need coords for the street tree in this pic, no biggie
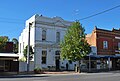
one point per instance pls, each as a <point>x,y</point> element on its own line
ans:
<point>74,46</point>
<point>15,45</point>
<point>3,40</point>
<point>25,52</point>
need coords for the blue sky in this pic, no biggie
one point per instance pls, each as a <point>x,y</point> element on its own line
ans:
<point>13,13</point>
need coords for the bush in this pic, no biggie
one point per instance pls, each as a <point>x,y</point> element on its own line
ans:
<point>37,70</point>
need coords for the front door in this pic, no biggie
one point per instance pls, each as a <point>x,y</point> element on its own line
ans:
<point>57,57</point>
<point>57,65</point>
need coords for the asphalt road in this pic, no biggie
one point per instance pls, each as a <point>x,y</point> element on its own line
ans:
<point>65,77</point>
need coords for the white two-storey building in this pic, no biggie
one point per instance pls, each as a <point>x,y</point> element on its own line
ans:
<point>45,36</point>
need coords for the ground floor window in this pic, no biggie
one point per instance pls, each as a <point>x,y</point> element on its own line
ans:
<point>1,65</point>
<point>9,66</point>
<point>44,56</point>
<point>118,64</point>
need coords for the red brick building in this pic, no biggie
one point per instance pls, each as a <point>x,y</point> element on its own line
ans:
<point>107,43</point>
<point>8,48</point>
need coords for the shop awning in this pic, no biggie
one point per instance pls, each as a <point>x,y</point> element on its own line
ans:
<point>104,56</point>
<point>9,56</point>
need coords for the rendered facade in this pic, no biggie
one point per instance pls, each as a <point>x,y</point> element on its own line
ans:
<point>45,36</point>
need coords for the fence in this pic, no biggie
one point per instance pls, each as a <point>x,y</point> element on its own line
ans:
<point>23,66</point>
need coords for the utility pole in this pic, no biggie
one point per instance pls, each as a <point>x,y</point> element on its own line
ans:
<point>28,48</point>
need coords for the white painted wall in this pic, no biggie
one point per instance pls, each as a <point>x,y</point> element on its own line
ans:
<point>23,66</point>
<point>51,25</point>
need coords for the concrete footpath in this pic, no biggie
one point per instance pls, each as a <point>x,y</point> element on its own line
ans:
<point>46,73</point>
<point>51,73</point>
<point>59,72</point>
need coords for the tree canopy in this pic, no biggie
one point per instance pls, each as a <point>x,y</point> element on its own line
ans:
<point>3,40</point>
<point>25,52</point>
<point>74,46</point>
<point>15,45</point>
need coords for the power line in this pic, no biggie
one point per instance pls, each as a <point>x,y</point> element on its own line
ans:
<point>15,22</point>
<point>100,12</point>
<point>79,19</point>
<point>11,19</point>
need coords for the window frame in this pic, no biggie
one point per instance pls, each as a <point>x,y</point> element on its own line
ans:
<point>44,57</point>
<point>105,44</point>
<point>118,45</point>
<point>57,37</point>
<point>43,35</point>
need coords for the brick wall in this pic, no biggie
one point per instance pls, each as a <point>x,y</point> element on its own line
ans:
<point>91,39</point>
<point>99,35</point>
<point>9,47</point>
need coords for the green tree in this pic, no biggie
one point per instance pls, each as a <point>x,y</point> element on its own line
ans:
<point>3,40</point>
<point>15,45</point>
<point>74,46</point>
<point>25,52</point>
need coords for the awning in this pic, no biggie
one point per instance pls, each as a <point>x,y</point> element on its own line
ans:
<point>11,55</point>
<point>104,56</point>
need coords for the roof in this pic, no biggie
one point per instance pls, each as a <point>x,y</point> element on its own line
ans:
<point>103,30</point>
<point>113,30</point>
<point>116,31</point>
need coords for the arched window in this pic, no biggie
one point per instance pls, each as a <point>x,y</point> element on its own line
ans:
<point>57,37</point>
<point>43,35</point>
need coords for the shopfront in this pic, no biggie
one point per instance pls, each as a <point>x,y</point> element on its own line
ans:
<point>9,62</point>
<point>101,63</point>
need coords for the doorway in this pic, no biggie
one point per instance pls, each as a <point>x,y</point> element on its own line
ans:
<point>57,65</point>
<point>57,59</point>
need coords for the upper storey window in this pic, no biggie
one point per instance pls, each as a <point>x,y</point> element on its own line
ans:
<point>119,46</point>
<point>105,44</point>
<point>57,37</point>
<point>43,35</point>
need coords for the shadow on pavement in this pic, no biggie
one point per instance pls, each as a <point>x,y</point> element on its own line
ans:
<point>22,76</point>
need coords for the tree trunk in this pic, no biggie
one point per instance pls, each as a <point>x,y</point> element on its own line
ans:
<point>79,66</point>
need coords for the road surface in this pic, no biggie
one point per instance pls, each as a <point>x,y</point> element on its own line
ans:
<point>65,77</point>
